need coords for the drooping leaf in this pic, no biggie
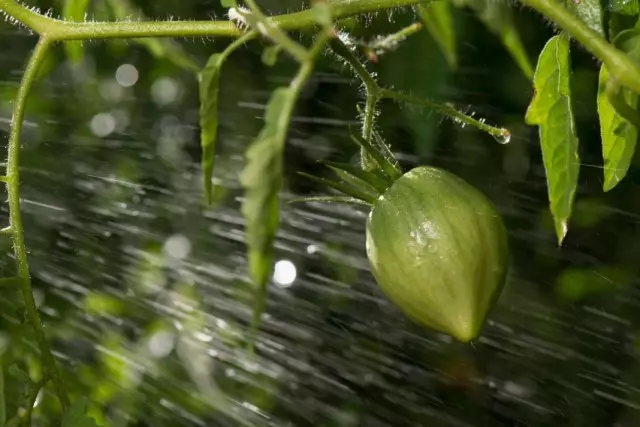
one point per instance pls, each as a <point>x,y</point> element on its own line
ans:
<point>588,11</point>
<point>209,82</point>
<point>385,165</point>
<point>619,133</point>
<point>74,10</point>
<point>209,88</point>
<point>162,48</point>
<point>619,137</point>
<point>551,111</point>
<point>498,17</point>
<point>437,17</point>
<point>262,180</point>
<point>76,415</point>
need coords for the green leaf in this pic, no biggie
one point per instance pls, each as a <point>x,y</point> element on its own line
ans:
<point>588,11</point>
<point>228,3</point>
<point>551,110</point>
<point>161,48</point>
<point>498,17</point>
<point>349,190</point>
<point>262,179</point>
<point>619,134</point>
<point>209,85</point>
<point>437,17</point>
<point>209,89</point>
<point>76,415</point>
<point>74,10</point>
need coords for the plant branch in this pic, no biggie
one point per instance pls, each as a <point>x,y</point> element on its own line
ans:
<point>625,70</point>
<point>266,27</point>
<point>31,401</point>
<point>446,110</point>
<point>13,190</point>
<point>56,29</point>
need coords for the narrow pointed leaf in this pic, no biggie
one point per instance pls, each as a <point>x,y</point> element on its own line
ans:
<point>618,120</point>
<point>209,89</point>
<point>262,180</point>
<point>74,10</point>
<point>551,111</point>
<point>343,188</point>
<point>362,186</point>
<point>498,18</point>
<point>385,150</point>
<point>383,164</point>
<point>331,199</point>
<point>588,11</point>
<point>437,17</point>
<point>373,178</point>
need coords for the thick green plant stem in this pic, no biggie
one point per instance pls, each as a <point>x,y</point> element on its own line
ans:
<point>15,218</point>
<point>625,70</point>
<point>56,29</point>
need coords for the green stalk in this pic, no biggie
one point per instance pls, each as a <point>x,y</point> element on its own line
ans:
<point>56,29</point>
<point>623,68</point>
<point>15,218</point>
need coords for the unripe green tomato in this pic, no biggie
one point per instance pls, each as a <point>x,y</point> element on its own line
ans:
<point>438,249</point>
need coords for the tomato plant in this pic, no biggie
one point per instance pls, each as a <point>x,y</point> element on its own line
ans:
<point>463,252</point>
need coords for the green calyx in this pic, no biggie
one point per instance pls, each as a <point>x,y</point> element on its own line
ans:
<point>360,186</point>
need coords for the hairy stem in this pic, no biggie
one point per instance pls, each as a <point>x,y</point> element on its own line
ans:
<point>446,110</point>
<point>273,31</point>
<point>56,29</point>
<point>13,190</point>
<point>625,70</point>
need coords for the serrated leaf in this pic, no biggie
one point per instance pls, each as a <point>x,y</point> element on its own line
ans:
<point>74,10</point>
<point>209,89</point>
<point>76,415</point>
<point>588,11</point>
<point>262,180</point>
<point>161,48</point>
<point>619,135</point>
<point>551,111</point>
<point>437,17</point>
<point>498,17</point>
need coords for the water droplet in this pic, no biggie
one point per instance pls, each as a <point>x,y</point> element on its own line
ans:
<point>503,138</point>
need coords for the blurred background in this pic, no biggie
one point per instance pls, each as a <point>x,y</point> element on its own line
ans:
<point>144,289</point>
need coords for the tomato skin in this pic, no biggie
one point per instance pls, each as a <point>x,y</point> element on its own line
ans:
<point>438,249</point>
